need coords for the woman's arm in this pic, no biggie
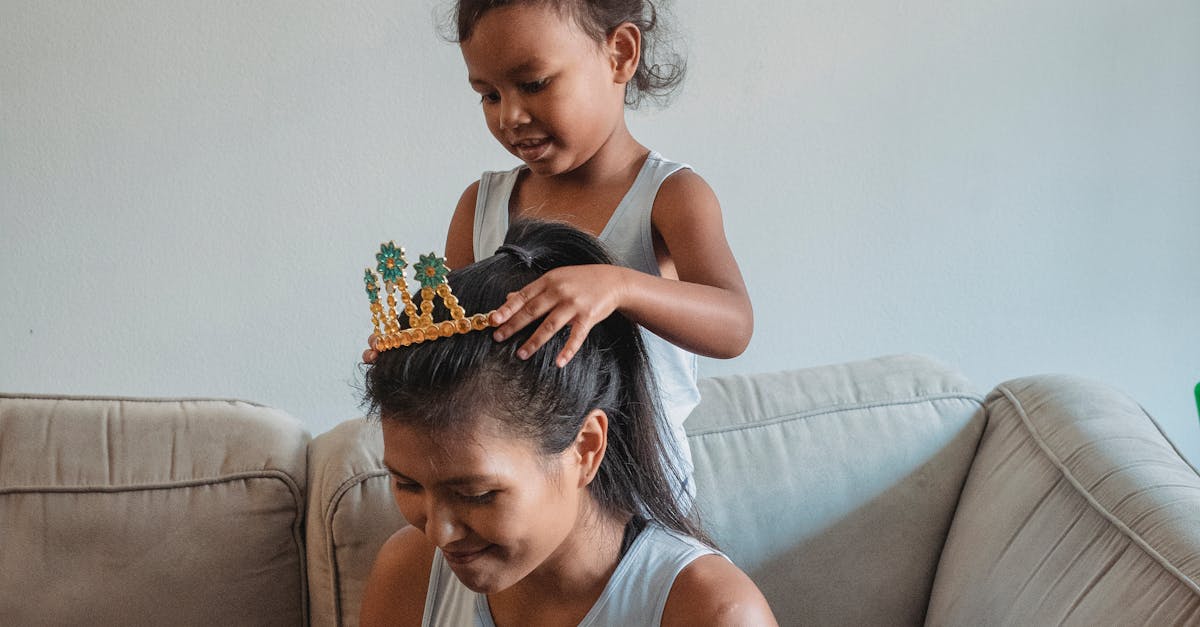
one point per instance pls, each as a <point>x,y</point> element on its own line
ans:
<point>712,591</point>
<point>399,580</point>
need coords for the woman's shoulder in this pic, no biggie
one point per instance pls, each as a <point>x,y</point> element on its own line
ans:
<point>711,590</point>
<point>399,580</point>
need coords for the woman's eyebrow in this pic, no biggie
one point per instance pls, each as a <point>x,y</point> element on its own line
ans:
<point>453,481</point>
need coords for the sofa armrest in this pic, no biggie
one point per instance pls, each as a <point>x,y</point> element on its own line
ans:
<point>1077,510</point>
<point>350,514</point>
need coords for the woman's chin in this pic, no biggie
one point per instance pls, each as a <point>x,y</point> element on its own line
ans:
<point>482,583</point>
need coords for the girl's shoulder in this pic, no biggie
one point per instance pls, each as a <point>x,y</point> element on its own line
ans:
<point>685,203</point>
<point>713,591</point>
<point>399,581</point>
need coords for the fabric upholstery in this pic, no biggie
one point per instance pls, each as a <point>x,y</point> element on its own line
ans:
<point>1078,511</point>
<point>820,483</point>
<point>834,487</point>
<point>123,511</point>
<point>879,492</point>
<point>351,513</point>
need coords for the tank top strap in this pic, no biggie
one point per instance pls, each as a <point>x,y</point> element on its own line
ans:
<point>629,233</point>
<point>491,211</point>
<point>638,591</point>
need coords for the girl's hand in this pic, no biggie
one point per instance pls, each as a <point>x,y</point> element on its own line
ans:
<point>575,296</point>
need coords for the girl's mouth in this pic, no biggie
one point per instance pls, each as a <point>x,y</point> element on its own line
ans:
<point>532,149</point>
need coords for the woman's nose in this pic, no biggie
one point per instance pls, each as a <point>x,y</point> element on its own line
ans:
<point>442,527</point>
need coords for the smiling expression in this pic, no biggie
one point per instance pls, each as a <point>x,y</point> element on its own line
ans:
<point>551,95</point>
<point>497,508</point>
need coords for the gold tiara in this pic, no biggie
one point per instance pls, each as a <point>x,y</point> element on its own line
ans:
<point>431,273</point>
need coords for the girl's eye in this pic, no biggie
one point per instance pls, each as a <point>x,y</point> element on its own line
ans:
<point>482,498</point>
<point>406,487</point>
<point>533,87</point>
<point>491,98</point>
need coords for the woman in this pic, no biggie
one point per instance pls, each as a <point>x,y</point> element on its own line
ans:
<point>537,494</point>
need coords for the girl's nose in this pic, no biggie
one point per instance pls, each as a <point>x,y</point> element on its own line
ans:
<point>441,525</point>
<point>512,113</point>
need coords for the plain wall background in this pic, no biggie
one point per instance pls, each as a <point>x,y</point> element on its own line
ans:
<point>191,189</point>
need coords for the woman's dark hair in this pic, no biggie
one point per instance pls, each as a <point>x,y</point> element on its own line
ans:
<point>660,70</point>
<point>447,384</point>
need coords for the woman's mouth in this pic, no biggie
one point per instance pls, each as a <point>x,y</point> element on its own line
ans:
<point>459,558</point>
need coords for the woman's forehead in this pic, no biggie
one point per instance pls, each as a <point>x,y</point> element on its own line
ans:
<point>480,446</point>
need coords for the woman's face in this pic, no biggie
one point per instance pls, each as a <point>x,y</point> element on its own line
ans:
<point>496,507</point>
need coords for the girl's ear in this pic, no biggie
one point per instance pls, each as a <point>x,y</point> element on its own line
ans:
<point>625,49</point>
<point>590,445</point>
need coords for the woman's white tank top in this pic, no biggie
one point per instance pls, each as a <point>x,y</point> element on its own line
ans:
<point>635,594</point>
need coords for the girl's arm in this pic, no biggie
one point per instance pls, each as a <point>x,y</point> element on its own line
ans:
<point>707,311</point>
<point>461,234</point>
<point>399,580</point>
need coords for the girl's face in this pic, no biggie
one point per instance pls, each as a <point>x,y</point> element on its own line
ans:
<point>551,95</point>
<point>495,506</point>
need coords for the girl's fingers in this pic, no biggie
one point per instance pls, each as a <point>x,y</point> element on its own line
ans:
<point>544,332</point>
<point>518,311</point>
<point>369,356</point>
<point>579,333</point>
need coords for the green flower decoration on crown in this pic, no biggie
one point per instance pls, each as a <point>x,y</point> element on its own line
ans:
<point>431,271</point>
<point>372,285</point>
<point>391,262</point>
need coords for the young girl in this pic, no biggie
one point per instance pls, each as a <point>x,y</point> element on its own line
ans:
<point>536,494</point>
<point>554,77</point>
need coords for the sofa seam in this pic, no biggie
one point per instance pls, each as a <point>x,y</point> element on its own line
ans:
<point>1125,530</point>
<point>958,499</point>
<point>28,396</point>
<point>161,485</point>
<point>327,515</point>
<point>774,420</point>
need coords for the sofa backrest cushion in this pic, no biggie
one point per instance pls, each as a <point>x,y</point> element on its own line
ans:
<point>134,511</point>
<point>824,484</point>
<point>834,487</point>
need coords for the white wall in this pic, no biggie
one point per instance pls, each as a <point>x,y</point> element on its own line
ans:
<point>190,190</point>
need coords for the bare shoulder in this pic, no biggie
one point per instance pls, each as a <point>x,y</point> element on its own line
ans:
<point>712,591</point>
<point>396,588</point>
<point>688,193</point>
<point>460,245</point>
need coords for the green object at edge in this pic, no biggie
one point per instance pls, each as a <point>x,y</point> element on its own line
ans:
<point>1198,398</point>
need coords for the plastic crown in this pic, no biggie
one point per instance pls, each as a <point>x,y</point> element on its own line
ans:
<point>431,273</point>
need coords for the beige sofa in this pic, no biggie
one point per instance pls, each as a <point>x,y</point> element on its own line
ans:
<point>882,492</point>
